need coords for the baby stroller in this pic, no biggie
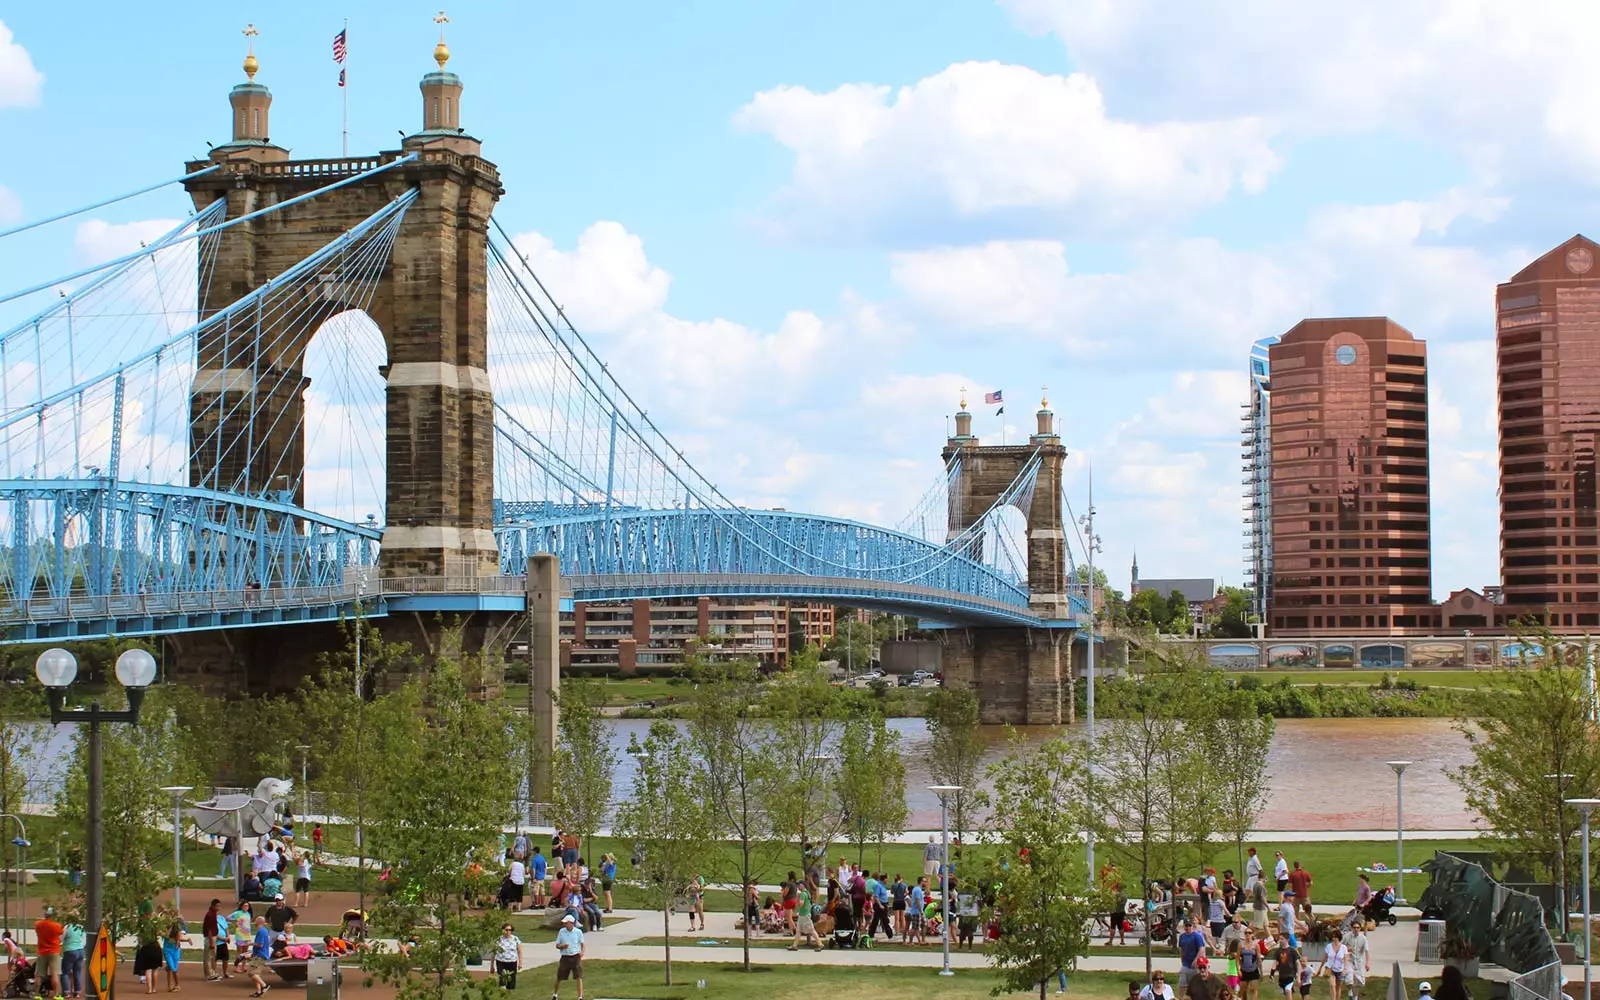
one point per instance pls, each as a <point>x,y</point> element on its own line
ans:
<point>354,927</point>
<point>844,929</point>
<point>1381,906</point>
<point>21,982</point>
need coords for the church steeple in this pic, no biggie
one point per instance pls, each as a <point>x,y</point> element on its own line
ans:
<point>1133,584</point>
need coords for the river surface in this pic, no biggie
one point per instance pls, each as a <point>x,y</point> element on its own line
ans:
<point>1325,774</point>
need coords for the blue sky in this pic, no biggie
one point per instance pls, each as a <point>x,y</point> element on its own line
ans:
<point>798,229</point>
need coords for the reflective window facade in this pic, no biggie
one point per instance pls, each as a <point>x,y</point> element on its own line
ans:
<point>1547,339</point>
<point>1348,473</point>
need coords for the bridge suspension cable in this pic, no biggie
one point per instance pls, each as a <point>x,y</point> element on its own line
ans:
<point>258,213</point>
<point>109,201</point>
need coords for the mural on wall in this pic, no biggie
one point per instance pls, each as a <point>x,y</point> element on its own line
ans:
<point>1482,654</point>
<point>1234,656</point>
<point>1293,656</point>
<point>1516,653</point>
<point>1337,654</point>
<point>1438,655</point>
<point>1382,656</point>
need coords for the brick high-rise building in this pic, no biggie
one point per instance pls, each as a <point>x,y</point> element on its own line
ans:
<point>1349,480</point>
<point>1548,348</point>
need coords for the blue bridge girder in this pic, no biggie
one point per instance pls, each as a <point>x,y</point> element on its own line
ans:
<point>93,557</point>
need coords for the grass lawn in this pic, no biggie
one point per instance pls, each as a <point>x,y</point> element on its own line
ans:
<point>643,980</point>
<point>1470,679</point>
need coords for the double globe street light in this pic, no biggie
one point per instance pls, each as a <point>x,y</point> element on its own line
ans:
<point>57,669</point>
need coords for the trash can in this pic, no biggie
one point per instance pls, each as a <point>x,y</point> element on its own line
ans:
<point>322,978</point>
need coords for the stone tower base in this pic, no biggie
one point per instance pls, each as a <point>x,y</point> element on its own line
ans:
<point>1023,676</point>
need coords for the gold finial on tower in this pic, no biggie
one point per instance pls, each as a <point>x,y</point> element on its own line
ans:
<point>963,397</point>
<point>251,63</point>
<point>1044,397</point>
<point>441,52</point>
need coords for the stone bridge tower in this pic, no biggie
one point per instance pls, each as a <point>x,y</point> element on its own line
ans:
<point>431,302</point>
<point>1023,675</point>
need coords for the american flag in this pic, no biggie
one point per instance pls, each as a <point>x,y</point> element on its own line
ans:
<point>994,397</point>
<point>339,51</point>
<point>341,78</point>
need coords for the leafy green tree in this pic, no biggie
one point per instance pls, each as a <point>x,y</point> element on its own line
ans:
<point>1238,734</point>
<point>1148,608</point>
<point>800,707</point>
<point>438,811</point>
<point>584,763</point>
<point>1040,809</point>
<point>667,819</point>
<point>1234,620</point>
<point>733,744</point>
<point>954,751</point>
<point>1534,744</point>
<point>1153,775</point>
<point>871,783</point>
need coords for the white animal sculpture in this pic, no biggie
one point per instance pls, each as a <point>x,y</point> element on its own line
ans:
<point>256,811</point>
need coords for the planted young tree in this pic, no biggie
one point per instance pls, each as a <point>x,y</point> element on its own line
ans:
<point>1152,776</point>
<point>1038,868</point>
<point>438,810</point>
<point>871,783</point>
<point>734,746</point>
<point>1534,744</point>
<point>584,762</point>
<point>799,798</point>
<point>954,751</point>
<point>667,819</point>
<point>1240,735</point>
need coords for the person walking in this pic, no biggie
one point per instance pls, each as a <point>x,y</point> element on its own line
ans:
<point>931,857</point>
<point>899,892</point>
<point>1286,964</point>
<point>316,843</point>
<point>1250,967</point>
<point>1280,872</point>
<point>1335,962</point>
<point>1358,963</point>
<point>1252,869</point>
<point>172,953</point>
<point>1300,882</point>
<point>570,948</point>
<point>1259,908</point>
<point>260,955</point>
<point>880,909</point>
<point>1286,919</point>
<point>540,869</point>
<point>47,947</point>
<point>697,901</point>
<point>242,922</point>
<point>805,928</point>
<point>229,849</point>
<point>507,957</point>
<point>1191,948</point>
<point>72,944</point>
<point>210,927</point>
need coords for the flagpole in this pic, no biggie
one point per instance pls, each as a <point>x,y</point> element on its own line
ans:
<point>345,68</point>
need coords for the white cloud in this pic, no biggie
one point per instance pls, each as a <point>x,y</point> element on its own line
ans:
<point>20,83</point>
<point>989,141</point>
<point>1499,82</point>
<point>606,275</point>
<point>97,241</point>
<point>1195,302</point>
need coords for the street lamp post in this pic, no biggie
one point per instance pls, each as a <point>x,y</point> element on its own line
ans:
<point>20,841</point>
<point>56,669</point>
<point>944,791</point>
<point>177,792</point>
<point>305,788</point>
<point>1399,767</point>
<point>1585,807</point>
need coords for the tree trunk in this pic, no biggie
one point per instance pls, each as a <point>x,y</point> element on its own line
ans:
<point>666,933</point>
<point>744,847</point>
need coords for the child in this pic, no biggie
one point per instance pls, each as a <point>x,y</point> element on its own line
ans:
<point>1306,973</point>
<point>1233,965</point>
<point>171,952</point>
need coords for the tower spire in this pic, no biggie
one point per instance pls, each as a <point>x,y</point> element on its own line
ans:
<point>251,64</point>
<point>441,52</point>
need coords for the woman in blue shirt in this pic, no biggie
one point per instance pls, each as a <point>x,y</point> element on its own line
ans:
<point>608,875</point>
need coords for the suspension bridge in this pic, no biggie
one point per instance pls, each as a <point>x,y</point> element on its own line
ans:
<point>338,382</point>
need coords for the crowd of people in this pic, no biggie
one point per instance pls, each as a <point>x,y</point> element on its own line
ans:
<point>562,881</point>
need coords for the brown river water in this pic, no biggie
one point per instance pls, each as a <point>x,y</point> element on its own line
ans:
<point>1325,774</point>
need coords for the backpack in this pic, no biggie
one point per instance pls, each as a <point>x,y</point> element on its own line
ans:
<point>1249,961</point>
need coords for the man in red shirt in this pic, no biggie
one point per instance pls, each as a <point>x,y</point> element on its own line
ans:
<point>47,943</point>
<point>1300,882</point>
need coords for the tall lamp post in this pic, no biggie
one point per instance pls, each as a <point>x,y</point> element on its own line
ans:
<point>944,792</point>
<point>305,788</point>
<point>1091,544</point>
<point>20,841</point>
<point>56,669</point>
<point>1585,807</point>
<point>177,792</point>
<point>1399,767</point>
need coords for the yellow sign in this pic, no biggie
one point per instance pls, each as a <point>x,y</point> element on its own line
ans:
<point>102,964</point>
